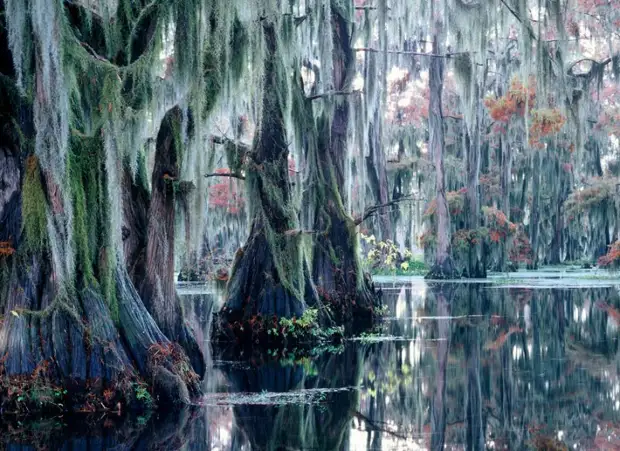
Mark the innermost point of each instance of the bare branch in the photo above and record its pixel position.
(371, 211)
(224, 140)
(595, 63)
(402, 52)
(226, 174)
(369, 7)
(520, 19)
(298, 20)
(295, 232)
(92, 52)
(333, 93)
(375, 427)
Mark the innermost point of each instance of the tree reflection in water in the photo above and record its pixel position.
(468, 366)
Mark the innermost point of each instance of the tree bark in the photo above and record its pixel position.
(376, 68)
(158, 289)
(444, 267)
(535, 211)
(52, 335)
(336, 265)
(136, 201)
(505, 186)
(476, 261)
(269, 275)
(557, 244)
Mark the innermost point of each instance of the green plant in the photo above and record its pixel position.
(297, 327)
(384, 258)
(143, 395)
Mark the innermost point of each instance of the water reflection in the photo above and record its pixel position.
(457, 366)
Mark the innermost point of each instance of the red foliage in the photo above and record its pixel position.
(6, 249)
(502, 109)
(545, 122)
(612, 258)
(456, 202)
(521, 248)
(498, 224)
(227, 194)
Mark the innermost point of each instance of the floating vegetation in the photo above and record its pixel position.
(302, 396)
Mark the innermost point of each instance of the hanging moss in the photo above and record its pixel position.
(84, 166)
(213, 80)
(34, 205)
(239, 43)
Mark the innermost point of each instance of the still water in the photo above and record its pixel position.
(513, 364)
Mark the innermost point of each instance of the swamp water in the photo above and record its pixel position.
(509, 363)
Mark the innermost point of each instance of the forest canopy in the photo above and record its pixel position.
(254, 142)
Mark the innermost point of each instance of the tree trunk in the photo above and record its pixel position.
(269, 275)
(158, 289)
(476, 264)
(444, 267)
(557, 244)
(53, 335)
(336, 265)
(376, 69)
(535, 211)
(134, 229)
(505, 186)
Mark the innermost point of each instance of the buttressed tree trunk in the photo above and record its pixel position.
(67, 332)
(336, 266)
(444, 267)
(158, 289)
(70, 314)
(270, 276)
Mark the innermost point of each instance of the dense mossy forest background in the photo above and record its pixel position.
(288, 150)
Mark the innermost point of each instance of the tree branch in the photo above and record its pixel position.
(371, 211)
(520, 19)
(369, 7)
(375, 427)
(94, 54)
(333, 93)
(226, 174)
(595, 63)
(403, 52)
(224, 140)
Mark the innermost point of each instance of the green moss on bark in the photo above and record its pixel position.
(34, 205)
